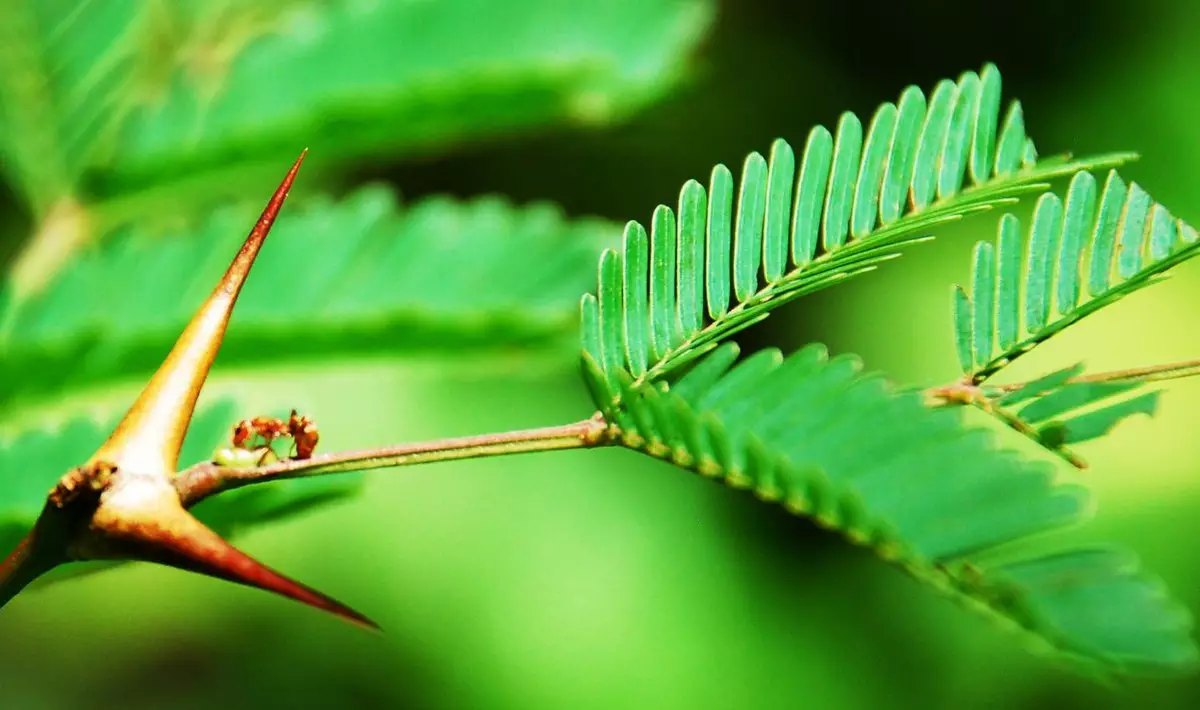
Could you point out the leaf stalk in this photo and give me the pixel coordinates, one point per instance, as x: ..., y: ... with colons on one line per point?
x: 206, y: 479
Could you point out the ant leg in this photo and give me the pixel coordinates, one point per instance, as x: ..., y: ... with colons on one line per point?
x: 266, y: 452
x: 267, y: 449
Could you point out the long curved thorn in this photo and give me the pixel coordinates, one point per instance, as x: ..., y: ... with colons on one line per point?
x: 149, y: 437
x: 179, y: 540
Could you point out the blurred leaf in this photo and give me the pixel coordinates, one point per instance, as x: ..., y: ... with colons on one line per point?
x: 865, y: 200
x: 1072, y: 396
x: 112, y: 110
x: 120, y: 95
x: 1125, y: 244
x: 32, y: 461
x: 1045, y: 383
x: 356, y: 277
x: 921, y: 490
x: 1097, y: 423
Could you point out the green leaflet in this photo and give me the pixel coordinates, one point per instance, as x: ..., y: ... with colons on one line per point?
x: 870, y: 172
x: 847, y: 148
x: 898, y: 173
x: 1062, y: 407
x: 931, y: 142
x: 983, y: 291
x: 1008, y: 274
x: 986, y: 117
x: 1043, y: 245
x: 720, y: 239
x: 748, y: 236
x: 779, y: 194
x: 956, y: 148
x: 810, y: 191
x: 637, y: 256
x: 864, y: 198
x: 105, y: 90
x: 1077, y: 221
x: 610, y: 295
x: 32, y: 461
x: 1066, y: 242
x: 693, y: 203
x: 922, y: 490
x: 962, y: 329
x: 1012, y: 141
x: 1045, y: 383
x: 358, y: 276
x: 662, y: 281
x: 1071, y: 396
x: 1100, y: 422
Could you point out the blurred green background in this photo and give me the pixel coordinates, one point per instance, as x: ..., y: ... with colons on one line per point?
x: 602, y: 579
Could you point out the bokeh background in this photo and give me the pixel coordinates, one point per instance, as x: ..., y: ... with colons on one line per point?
x: 602, y: 579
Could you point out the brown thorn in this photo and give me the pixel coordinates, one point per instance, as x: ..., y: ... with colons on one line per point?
x: 171, y: 536
x: 148, y: 439
x: 121, y: 505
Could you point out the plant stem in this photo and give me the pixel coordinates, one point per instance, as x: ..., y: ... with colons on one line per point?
x: 205, y: 479
x: 1150, y: 373
x: 963, y: 392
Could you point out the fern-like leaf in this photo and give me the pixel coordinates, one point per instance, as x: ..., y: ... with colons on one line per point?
x: 354, y: 277
x: 717, y: 265
x: 912, y: 483
x: 1095, y: 249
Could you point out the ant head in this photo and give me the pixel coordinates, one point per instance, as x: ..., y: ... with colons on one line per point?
x: 242, y: 432
x: 298, y: 422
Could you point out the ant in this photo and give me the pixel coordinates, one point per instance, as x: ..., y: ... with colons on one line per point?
x: 247, y: 451
x: 267, y: 428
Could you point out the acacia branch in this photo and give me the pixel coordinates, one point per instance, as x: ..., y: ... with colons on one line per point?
x: 206, y: 479
x: 964, y: 391
x: 1150, y: 373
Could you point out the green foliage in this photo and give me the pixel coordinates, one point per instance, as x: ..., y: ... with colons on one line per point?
x: 110, y: 97
x: 1064, y: 407
x: 32, y: 461
x: 354, y: 277
x: 714, y: 267
x: 912, y: 483
x: 114, y: 111
x: 1120, y: 245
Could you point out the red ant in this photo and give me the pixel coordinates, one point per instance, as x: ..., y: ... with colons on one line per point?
x: 299, y: 428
